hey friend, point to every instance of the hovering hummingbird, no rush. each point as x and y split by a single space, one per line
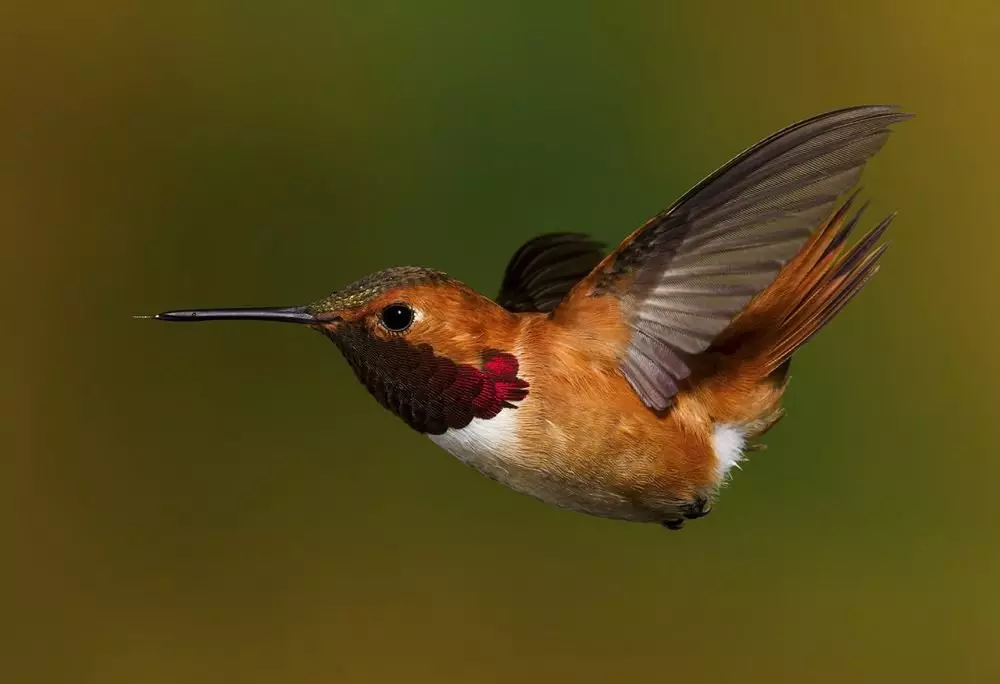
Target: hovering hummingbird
625 386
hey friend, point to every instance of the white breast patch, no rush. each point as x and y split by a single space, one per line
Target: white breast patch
728 442
485 444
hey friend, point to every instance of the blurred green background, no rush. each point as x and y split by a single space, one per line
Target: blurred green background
226 503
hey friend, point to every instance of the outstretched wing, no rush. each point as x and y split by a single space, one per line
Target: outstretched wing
685 274
543 271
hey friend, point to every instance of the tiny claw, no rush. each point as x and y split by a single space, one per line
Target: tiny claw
698 508
675 524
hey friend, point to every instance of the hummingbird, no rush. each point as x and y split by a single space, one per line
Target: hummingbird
625 385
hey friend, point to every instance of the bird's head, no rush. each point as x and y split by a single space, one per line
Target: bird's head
427 347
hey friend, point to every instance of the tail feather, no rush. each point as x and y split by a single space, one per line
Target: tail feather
837 278
828 306
812 288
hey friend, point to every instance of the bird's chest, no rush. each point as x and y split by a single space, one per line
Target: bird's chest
576 474
490 446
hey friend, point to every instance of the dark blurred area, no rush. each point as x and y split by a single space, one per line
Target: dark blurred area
226 503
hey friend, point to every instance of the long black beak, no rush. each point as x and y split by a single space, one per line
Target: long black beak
290 314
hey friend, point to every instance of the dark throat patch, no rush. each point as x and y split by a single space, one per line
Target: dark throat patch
431 393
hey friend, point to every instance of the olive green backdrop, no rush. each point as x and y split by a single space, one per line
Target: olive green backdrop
224 503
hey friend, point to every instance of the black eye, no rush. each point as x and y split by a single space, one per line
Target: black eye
397 317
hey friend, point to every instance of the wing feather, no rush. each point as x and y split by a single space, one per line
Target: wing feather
687 273
544 269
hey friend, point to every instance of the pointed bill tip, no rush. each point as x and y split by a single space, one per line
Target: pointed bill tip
289 314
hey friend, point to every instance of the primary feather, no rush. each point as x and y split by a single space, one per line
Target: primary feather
686 274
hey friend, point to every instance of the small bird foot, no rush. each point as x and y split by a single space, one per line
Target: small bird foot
692 510
698 508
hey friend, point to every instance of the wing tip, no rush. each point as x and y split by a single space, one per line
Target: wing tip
865 111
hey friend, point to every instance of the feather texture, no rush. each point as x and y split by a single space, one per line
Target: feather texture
812 288
687 273
833 281
544 269
430 392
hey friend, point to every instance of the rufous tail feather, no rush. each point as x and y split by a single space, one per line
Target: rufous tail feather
812 288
